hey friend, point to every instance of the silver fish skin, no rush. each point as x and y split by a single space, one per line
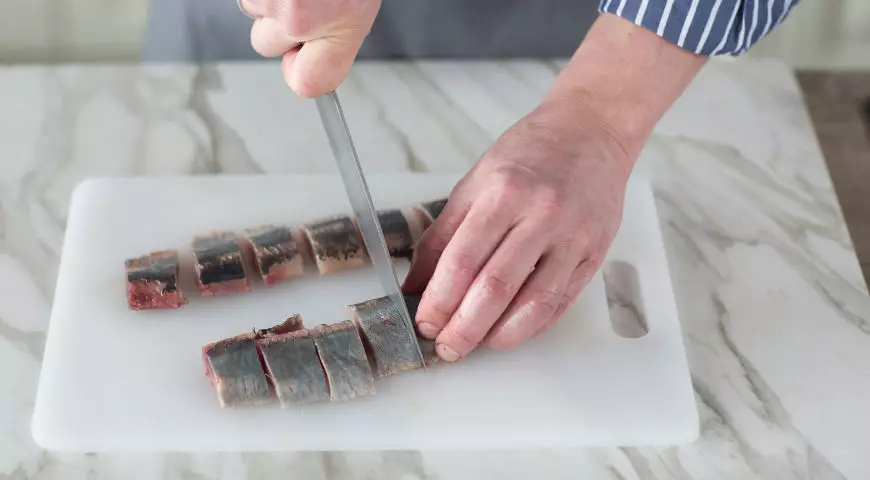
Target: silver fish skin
397 233
293 365
235 368
344 359
385 335
426 346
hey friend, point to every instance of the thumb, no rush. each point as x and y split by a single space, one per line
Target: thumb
319 65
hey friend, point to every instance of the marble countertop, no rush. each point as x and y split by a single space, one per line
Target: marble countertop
774 311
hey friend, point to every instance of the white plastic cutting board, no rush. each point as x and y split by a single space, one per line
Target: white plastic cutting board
119 380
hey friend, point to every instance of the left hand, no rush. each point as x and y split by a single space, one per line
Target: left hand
523 232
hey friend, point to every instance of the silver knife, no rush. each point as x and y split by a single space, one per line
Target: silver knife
361 200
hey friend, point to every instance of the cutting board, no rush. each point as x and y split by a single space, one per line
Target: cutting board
120 380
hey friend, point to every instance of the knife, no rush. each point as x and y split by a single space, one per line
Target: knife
341 143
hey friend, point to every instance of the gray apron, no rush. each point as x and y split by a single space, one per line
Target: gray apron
214 30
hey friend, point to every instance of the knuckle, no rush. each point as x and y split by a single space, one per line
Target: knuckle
502 341
551 207
596 259
433 309
508 185
549 194
296 19
462 265
496 285
439 312
459 340
304 86
550 300
564 303
577 241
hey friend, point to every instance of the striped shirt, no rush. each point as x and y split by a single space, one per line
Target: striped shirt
706 27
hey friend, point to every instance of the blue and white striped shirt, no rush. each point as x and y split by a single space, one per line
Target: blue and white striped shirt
706 27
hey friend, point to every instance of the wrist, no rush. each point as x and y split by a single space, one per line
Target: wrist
623 77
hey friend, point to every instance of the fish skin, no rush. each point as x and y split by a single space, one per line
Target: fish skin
152 281
344 359
218 260
276 252
381 326
160 266
430 356
336 244
237 372
397 233
433 208
294 367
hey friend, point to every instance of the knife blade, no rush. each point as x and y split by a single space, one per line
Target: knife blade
344 151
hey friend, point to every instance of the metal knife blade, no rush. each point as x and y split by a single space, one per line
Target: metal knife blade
341 143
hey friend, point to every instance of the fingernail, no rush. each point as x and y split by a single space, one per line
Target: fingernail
428 330
446 353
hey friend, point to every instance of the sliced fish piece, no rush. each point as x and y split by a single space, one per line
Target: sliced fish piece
336 244
344 359
412 301
401 231
277 253
294 368
152 281
386 336
236 371
431 210
219 265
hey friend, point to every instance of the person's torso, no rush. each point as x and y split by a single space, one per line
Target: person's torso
211 30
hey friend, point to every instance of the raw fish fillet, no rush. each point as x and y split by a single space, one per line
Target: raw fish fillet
236 371
426 346
431 210
344 359
401 232
294 368
152 281
336 244
276 251
386 336
219 265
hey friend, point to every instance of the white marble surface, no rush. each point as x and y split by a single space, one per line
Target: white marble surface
775 314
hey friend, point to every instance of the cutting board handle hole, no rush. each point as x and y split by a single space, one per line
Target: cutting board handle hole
624 300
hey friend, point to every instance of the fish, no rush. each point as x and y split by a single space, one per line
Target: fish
431 210
276 251
336 244
344 359
152 281
401 231
292 324
385 335
219 265
230 364
236 371
427 347
294 367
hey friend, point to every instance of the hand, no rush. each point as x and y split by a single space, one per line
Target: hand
522 233
318 39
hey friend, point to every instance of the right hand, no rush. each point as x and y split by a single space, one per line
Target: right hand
318 39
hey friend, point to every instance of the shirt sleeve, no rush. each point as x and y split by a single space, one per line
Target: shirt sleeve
706 27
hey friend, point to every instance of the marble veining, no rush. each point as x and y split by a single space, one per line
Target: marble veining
775 313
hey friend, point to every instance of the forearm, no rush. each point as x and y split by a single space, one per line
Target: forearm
625 76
